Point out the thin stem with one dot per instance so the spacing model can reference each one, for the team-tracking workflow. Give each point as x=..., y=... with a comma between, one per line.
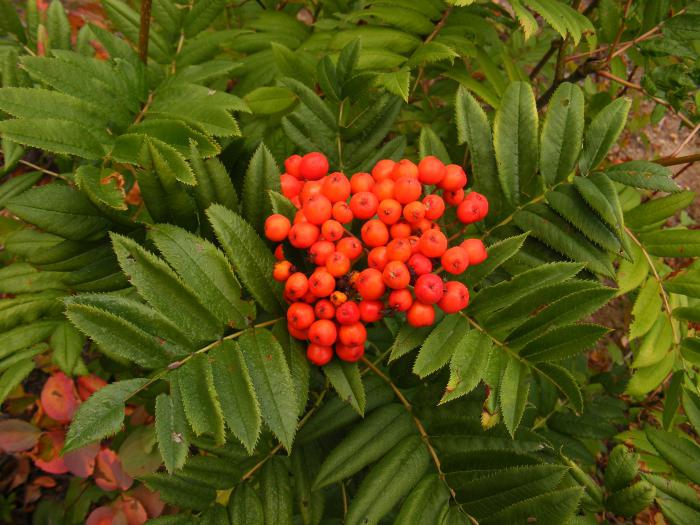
x=618, y=36
x=675, y=161
x=144, y=29
x=686, y=141
x=42, y=170
x=430, y=37
x=144, y=109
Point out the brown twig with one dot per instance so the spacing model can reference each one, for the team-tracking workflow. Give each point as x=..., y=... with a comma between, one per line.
x=675, y=161
x=618, y=36
x=431, y=36
x=144, y=29
x=686, y=141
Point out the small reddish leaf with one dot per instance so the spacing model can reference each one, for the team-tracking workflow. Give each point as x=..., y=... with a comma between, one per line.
x=88, y=385
x=59, y=399
x=131, y=508
x=50, y=445
x=150, y=500
x=101, y=516
x=17, y=435
x=44, y=481
x=109, y=474
x=81, y=462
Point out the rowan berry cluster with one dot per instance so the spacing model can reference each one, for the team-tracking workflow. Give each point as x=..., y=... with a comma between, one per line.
x=394, y=262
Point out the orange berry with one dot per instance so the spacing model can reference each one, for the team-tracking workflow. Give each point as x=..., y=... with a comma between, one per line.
x=389, y=211
x=434, y=207
x=400, y=230
x=300, y=217
x=377, y=258
x=309, y=189
x=374, y=233
x=414, y=212
x=398, y=250
x=423, y=226
x=332, y=230
x=364, y=204
x=404, y=168
x=454, y=178
x=396, y=275
x=455, y=260
x=282, y=271
x=433, y=243
x=407, y=189
x=455, y=298
x=370, y=284
x=290, y=185
x=296, y=286
x=303, y=235
x=338, y=298
x=279, y=252
x=321, y=283
x=277, y=227
x=338, y=264
x=291, y=165
x=414, y=241
x=350, y=246
x=347, y=313
x=318, y=354
x=384, y=189
x=400, y=300
x=383, y=169
x=429, y=288
x=420, y=314
x=419, y=264
x=323, y=332
x=317, y=209
x=473, y=208
x=476, y=251
x=300, y=315
x=360, y=182
x=313, y=166
x=342, y=212
x=336, y=187
x=431, y=170
x=302, y=335
x=352, y=334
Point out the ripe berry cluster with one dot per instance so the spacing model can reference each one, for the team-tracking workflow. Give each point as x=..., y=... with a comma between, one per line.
x=395, y=263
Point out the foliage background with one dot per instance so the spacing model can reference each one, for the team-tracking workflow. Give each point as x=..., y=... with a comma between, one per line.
x=500, y=416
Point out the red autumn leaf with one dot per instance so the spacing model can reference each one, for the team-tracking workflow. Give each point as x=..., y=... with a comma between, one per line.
x=109, y=474
x=17, y=435
x=88, y=385
x=150, y=500
x=81, y=462
x=131, y=508
x=100, y=516
x=48, y=459
x=59, y=399
x=44, y=481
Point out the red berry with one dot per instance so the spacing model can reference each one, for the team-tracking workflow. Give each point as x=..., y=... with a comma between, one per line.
x=404, y=168
x=420, y=314
x=348, y=313
x=360, y=182
x=332, y=230
x=320, y=251
x=323, y=332
x=370, y=284
x=383, y=169
x=303, y=235
x=400, y=300
x=433, y=243
x=374, y=233
x=309, y=189
x=313, y=166
x=399, y=250
x=414, y=212
x=407, y=189
x=384, y=189
x=321, y=283
x=317, y=209
x=351, y=334
x=434, y=207
x=473, y=208
x=364, y=204
x=300, y=315
x=396, y=275
x=455, y=260
x=476, y=251
x=419, y=264
x=455, y=298
x=454, y=197
x=336, y=187
x=377, y=258
x=371, y=311
x=279, y=252
x=349, y=353
x=282, y=271
x=324, y=309
x=400, y=230
x=296, y=286
x=342, y=212
x=302, y=335
x=350, y=246
x=431, y=170
x=290, y=185
x=291, y=165
x=389, y=211
x=277, y=227
x=454, y=178
x=338, y=264
x=429, y=288
x=319, y=355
